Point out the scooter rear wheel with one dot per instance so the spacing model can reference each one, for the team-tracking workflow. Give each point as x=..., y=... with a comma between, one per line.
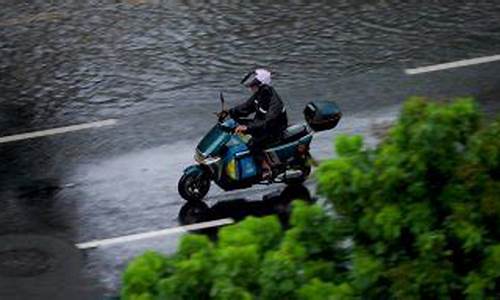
x=193, y=186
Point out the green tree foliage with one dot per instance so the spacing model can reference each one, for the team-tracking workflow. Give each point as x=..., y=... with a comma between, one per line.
x=423, y=205
x=418, y=217
x=318, y=290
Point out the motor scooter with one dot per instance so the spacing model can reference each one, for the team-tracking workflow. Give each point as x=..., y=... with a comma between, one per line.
x=222, y=156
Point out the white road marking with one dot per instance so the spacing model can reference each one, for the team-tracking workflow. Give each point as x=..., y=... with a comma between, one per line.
x=152, y=234
x=41, y=133
x=451, y=65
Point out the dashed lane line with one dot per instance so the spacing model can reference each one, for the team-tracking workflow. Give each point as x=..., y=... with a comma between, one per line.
x=153, y=234
x=455, y=64
x=54, y=131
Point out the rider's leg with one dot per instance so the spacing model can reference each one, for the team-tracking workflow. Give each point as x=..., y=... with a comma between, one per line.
x=266, y=168
x=256, y=146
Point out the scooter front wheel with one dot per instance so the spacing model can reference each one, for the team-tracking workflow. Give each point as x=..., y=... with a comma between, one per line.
x=193, y=186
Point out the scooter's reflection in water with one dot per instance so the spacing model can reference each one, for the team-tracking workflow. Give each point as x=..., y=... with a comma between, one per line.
x=277, y=203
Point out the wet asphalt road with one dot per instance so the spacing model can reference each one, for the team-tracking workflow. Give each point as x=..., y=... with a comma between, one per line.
x=160, y=79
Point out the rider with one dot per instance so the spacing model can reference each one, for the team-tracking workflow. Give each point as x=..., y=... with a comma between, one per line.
x=270, y=119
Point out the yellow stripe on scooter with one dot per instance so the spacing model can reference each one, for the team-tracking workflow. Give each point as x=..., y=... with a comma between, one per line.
x=231, y=169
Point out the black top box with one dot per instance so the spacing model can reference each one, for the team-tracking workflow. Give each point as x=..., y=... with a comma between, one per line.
x=322, y=115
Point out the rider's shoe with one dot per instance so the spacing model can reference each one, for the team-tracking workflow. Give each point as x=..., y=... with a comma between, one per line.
x=267, y=175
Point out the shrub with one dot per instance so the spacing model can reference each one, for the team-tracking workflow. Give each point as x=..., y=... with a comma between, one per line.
x=143, y=273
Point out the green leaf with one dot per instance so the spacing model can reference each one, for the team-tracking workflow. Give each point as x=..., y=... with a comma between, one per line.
x=143, y=273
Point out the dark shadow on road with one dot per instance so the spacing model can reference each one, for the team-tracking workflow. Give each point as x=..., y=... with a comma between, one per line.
x=277, y=203
x=37, y=257
x=33, y=207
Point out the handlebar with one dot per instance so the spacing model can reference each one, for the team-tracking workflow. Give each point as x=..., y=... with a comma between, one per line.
x=223, y=115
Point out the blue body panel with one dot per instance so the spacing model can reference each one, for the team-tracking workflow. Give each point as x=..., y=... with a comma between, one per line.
x=233, y=150
x=213, y=141
x=245, y=164
x=247, y=167
x=217, y=137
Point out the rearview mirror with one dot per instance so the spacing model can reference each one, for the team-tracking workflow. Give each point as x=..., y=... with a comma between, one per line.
x=222, y=101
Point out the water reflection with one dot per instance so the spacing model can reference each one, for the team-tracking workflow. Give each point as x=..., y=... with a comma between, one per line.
x=277, y=203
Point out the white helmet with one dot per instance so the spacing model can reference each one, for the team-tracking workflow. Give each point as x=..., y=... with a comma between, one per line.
x=257, y=78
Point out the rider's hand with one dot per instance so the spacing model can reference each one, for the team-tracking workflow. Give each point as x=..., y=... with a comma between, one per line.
x=240, y=129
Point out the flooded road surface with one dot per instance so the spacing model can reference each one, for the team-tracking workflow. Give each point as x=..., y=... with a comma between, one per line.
x=156, y=67
x=71, y=61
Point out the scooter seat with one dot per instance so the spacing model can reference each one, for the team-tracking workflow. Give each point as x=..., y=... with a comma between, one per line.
x=293, y=133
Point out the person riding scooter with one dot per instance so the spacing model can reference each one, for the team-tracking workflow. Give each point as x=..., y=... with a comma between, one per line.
x=270, y=119
x=226, y=159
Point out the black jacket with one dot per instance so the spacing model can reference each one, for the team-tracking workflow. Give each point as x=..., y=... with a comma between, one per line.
x=270, y=114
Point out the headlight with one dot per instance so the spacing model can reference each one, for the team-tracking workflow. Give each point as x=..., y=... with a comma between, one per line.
x=210, y=160
x=198, y=157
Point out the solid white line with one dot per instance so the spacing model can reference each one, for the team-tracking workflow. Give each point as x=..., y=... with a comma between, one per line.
x=152, y=234
x=455, y=64
x=41, y=133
